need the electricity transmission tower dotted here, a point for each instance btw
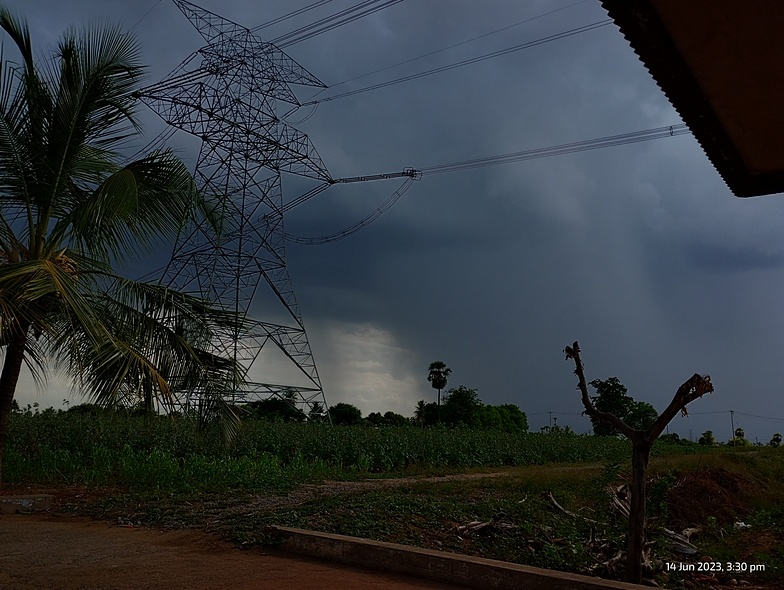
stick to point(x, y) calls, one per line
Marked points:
point(227, 94)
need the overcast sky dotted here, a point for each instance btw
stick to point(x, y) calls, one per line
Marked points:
point(640, 252)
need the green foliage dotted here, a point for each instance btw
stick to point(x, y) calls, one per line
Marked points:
point(344, 414)
point(674, 439)
point(513, 419)
point(641, 416)
point(420, 413)
point(426, 414)
point(557, 430)
point(115, 448)
point(657, 503)
point(506, 418)
point(387, 419)
point(775, 440)
point(273, 410)
point(612, 397)
point(740, 439)
point(708, 439)
point(461, 406)
point(71, 207)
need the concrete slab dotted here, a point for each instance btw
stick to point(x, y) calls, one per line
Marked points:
point(471, 572)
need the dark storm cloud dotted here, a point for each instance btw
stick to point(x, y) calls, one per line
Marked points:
point(639, 251)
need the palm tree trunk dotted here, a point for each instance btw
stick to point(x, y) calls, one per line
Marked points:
point(14, 357)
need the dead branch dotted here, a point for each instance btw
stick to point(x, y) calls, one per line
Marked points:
point(573, 352)
point(694, 387)
point(549, 496)
point(642, 442)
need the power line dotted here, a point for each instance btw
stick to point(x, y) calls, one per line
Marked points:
point(757, 416)
point(362, 9)
point(465, 62)
point(354, 228)
point(561, 149)
point(472, 39)
point(325, 20)
point(154, 6)
point(760, 417)
point(291, 14)
point(546, 152)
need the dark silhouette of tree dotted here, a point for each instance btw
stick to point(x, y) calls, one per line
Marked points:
point(274, 409)
point(387, 419)
point(317, 413)
point(374, 418)
point(739, 440)
point(461, 406)
point(642, 442)
point(420, 413)
point(513, 419)
point(437, 374)
point(345, 414)
point(612, 397)
point(642, 416)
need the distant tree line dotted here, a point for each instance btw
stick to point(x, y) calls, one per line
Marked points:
point(460, 406)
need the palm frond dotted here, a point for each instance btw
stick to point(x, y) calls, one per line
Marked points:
point(130, 210)
point(39, 290)
point(69, 210)
point(159, 342)
point(17, 29)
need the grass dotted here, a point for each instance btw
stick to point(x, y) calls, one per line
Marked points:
point(171, 455)
point(165, 473)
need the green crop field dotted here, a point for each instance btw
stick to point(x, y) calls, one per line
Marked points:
point(372, 482)
point(172, 454)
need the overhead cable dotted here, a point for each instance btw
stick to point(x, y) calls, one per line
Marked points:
point(332, 22)
point(138, 22)
point(546, 152)
point(465, 62)
point(355, 227)
point(448, 47)
point(561, 149)
point(291, 14)
point(760, 417)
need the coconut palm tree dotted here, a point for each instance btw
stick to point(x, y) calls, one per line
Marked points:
point(437, 374)
point(419, 413)
point(70, 210)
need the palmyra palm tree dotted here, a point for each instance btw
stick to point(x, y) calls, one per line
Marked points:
point(69, 210)
point(437, 374)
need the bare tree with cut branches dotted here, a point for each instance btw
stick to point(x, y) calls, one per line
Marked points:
point(642, 441)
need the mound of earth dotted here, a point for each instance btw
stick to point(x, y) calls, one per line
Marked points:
point(716, 492)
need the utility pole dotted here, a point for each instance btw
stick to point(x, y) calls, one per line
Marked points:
point(732, 421)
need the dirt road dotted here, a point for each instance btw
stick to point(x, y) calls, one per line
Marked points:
point(65, 553)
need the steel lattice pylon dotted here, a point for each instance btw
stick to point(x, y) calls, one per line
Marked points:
point(226, 94)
